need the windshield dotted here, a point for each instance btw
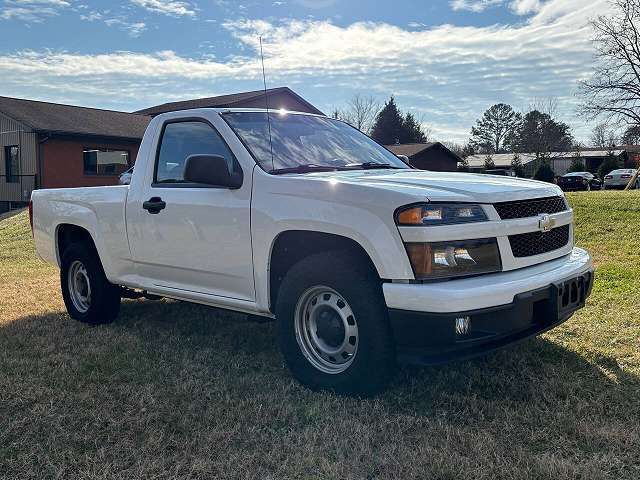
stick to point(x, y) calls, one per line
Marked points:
point(307, 142)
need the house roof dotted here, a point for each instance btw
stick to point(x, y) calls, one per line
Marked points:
point(410, 149)
point(503, 160)
point(413, 149)
point(73, 120)
point(225, 101)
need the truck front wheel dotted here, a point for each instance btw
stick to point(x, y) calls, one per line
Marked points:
point(87, 294)
point(333, 327)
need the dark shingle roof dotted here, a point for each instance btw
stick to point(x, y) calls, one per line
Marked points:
point(224, 101)
point(411, 149)
point(69, 119)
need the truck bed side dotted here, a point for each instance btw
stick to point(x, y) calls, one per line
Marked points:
point(98, 210)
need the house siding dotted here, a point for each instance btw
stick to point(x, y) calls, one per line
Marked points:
point(16, 133)
point(63, 162)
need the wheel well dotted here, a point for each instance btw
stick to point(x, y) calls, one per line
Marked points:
point(292, 246)
point(69, 234)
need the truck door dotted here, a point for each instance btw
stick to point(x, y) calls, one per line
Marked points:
point(190, 237)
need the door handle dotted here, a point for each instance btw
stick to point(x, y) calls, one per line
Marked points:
point(154, 205)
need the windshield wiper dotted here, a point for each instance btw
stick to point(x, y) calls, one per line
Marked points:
point(304, 169)
point(372, 165)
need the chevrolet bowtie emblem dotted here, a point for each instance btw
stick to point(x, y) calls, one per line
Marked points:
point(546, 223)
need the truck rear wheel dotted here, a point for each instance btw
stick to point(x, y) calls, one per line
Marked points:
point(333, 326)
point(87, 294)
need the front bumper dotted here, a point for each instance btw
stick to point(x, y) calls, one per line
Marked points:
point(503, 308)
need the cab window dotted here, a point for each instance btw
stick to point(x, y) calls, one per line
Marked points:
point(180, 140)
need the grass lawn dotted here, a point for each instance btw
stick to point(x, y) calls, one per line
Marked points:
point(173, 390)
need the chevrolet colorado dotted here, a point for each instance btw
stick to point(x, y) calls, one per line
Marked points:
point(361, 259)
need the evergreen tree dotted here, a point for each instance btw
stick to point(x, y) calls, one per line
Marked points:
point(611, 162)
point(463, 166)
point(577, 165)
point(391, 126)
point(388, 127)
point(517, 166)
point(412, 130)
point(495, 130)
point(544, 172)
point(539, 133)
point(489, 164)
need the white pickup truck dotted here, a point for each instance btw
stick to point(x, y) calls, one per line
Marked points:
point(361, 259)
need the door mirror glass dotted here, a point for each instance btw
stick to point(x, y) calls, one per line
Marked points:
point(211, 170)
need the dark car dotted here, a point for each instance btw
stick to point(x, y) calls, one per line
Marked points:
point(579, 181)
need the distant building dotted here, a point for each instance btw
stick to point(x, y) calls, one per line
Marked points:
point(50, 145)
point(428, 156)
point(560, 161)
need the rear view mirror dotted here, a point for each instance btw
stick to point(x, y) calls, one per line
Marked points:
point(211, 170)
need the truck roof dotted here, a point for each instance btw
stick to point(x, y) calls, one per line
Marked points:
point(234, 110)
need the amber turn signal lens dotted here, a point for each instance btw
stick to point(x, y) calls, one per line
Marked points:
point(421, 258)
point(411, 216)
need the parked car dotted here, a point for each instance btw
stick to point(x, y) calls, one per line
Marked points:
point(361, 260)
point(620, 178)
point(125, 177)
point(579, 181)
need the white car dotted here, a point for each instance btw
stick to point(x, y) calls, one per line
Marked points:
point(362, 260)
point(125, 177)
point(620, 178)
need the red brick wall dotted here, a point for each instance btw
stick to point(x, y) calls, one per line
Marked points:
point(62, 163)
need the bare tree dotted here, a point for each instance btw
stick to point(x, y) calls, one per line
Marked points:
point(360, 112)
point(548, 105)
point(602, 136)
point(613, 92)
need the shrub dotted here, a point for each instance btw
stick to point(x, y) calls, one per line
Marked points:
point(544, 172)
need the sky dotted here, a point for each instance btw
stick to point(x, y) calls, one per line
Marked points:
point(446, 61)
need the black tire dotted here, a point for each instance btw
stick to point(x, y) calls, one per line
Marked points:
point(104, 300)
point(374, 362)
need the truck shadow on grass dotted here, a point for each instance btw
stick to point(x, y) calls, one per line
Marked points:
point(219, 341)
point(171, 385)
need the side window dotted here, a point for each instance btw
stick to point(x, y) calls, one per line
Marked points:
point(182, 139)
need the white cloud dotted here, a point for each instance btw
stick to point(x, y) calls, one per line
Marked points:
point(449, 73)
point(474, 5)
point(31, 11)
point(519, 7)
point(172, 8)
point(525, 7)
point(134, 29)
point(91, 16)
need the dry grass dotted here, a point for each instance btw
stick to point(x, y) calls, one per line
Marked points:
point(173, 390)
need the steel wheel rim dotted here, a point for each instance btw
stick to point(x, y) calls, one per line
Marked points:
point(79, 286)
point(326, 329)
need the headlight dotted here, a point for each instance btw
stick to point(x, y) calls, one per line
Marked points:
point(425, 214)
point(454, 259)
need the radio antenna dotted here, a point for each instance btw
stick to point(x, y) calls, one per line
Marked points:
point(266, 103)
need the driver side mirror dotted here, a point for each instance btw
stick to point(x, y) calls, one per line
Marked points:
point(211, 170)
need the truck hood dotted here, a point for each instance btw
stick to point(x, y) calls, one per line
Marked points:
point(446, 186)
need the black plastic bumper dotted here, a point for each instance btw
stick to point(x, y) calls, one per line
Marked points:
point(431, 338)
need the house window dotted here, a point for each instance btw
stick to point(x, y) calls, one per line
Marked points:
point(12, 163)
point(103, 161)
